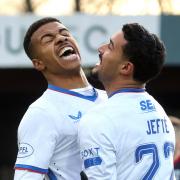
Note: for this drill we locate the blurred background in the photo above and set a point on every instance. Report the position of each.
(92, 22)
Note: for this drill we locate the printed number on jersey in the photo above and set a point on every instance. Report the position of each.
(151, 150)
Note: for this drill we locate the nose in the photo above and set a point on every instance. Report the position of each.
(60, 39)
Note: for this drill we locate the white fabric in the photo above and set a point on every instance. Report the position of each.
(27, 175)
(47, 135)
(85, 91)
(112, 132)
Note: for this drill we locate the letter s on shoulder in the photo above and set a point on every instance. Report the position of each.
(91, 157)
(90, 152)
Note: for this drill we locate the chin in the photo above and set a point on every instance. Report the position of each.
(95, 70)
(73, 65)
(75, 69)
(94, 74)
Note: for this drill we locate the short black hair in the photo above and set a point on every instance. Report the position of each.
(145, 50)
(33, 27)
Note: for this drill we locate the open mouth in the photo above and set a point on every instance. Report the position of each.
(100, 57)
(66, 51)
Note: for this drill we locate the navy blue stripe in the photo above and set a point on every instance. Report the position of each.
(92, 162)
(51, 175)
(32, 168)
(73, 93)
(127, 90)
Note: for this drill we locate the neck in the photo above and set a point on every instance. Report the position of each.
(115, 86)
(70, 81)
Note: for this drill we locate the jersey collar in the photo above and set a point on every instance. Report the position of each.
(73, 93)
(127, 90)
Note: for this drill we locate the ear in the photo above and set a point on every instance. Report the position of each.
(38, 64)
(127, 68)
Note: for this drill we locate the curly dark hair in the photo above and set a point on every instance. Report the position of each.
(34, 27)
(145, 50)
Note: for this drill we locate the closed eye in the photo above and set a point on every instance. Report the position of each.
(64, 32)
(47, 38)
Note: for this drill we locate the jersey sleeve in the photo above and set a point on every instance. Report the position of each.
(27, 175)
(36, 141)
(96, 148)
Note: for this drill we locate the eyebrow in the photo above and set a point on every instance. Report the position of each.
(63, 29)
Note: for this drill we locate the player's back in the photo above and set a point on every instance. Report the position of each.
(129, 137)
(142, 135)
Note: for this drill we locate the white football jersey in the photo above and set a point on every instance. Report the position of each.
(129, 137)
(47, 134)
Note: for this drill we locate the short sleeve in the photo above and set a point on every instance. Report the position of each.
(36, 141)
(27, 175)
(96, 148)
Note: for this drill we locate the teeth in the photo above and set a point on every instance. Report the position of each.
(65, 49)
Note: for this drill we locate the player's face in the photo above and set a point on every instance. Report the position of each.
(56, 50)
(111, 58)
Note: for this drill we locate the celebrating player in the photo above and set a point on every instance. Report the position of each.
(47, 134)
(129, 137)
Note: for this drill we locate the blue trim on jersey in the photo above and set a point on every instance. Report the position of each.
(31, 168)
(134, 90)
(51, 175)
(172, 175)
(92, 162)
(73, 93)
